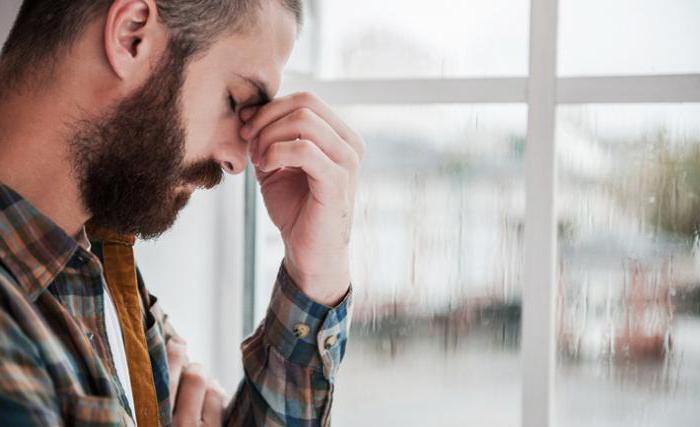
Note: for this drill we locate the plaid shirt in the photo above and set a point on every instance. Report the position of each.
(56, 366)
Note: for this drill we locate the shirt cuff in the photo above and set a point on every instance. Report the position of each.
(305, 332)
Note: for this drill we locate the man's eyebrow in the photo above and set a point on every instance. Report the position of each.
(263, 96)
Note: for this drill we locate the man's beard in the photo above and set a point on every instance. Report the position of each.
(129, 163)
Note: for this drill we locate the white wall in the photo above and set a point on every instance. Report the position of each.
(196, 271)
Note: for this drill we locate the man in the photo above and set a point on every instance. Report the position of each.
(111, 113)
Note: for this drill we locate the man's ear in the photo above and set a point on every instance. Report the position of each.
(134, 39)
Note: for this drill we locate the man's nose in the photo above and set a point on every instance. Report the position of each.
(228, 167)
(231, 154)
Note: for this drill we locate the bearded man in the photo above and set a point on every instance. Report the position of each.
(112, 112)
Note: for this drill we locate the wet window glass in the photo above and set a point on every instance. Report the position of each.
(604, 37)
(414, 38)
(628, 285)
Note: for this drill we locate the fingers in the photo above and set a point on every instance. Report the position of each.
(306, 124)
(281, 107)
(323, 173)
(214, 404)
(190, 396)
(199, 401)
(248, 113)
(177, 360)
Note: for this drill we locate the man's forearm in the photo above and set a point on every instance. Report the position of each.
(291, 360)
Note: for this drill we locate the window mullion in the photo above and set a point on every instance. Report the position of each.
(629, 89)
(250, 238)
(538, 339)
(570, 90)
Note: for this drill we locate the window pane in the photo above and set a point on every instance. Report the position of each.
(414, 38)
(607, 37)
(629, 289)
(436, 268)
(8, 11)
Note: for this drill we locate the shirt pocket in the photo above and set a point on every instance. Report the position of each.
(84, 411)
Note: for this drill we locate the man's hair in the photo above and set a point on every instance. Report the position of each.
(46, 29)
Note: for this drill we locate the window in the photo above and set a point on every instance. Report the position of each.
(524, 251)
(628, 286)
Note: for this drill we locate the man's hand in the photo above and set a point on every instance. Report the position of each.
(306, 161)
(198, 401)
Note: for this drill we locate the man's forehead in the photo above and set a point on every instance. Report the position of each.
(266, 48)
(259, 61)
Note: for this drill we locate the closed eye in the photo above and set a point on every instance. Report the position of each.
(232, 103)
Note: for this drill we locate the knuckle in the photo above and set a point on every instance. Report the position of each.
(176, 347)
(304, 98)
(194, 378)
(176, 351)
(214, 392)
(302, 115)
(177, 357)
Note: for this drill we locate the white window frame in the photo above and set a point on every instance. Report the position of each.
(543, 91)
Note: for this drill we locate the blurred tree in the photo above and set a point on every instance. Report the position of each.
(676, 187)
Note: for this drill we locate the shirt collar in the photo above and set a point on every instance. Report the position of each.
(32, 247)
(83, 240)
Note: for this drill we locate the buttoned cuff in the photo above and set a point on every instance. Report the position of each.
(305, 332)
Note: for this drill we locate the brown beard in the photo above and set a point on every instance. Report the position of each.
(130, 162)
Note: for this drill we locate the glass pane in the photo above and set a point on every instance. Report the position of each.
(8, 11)
(629, 288)
(607, 37)
(414, 38)
(436, 268)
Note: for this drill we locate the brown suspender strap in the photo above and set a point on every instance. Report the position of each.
(120, 274)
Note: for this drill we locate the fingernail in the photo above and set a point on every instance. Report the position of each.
(248, 113)
(245, 131)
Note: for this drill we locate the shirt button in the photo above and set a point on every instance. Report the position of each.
(330, 341)
(301, 330)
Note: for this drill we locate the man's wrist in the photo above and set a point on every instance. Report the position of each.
(327, 289)
(304, 332)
